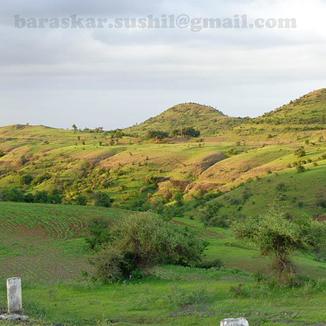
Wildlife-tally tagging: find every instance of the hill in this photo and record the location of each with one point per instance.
(308, 109)
(205, 119)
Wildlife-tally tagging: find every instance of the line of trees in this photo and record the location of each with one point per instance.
(184, 132)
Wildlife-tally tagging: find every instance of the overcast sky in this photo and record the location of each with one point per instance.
(117, 77)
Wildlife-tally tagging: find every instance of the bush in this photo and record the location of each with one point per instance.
(12, 194)
(113, 265)
(26, 179)
(301, 169)
(102, 199)
(81, 200)
(300, 152)
(98, 233)
(143, 241)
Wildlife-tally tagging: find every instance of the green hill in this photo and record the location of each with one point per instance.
(308, 109)
(206, 119)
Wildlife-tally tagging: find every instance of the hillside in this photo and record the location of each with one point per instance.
(206, 119)
(308, 109)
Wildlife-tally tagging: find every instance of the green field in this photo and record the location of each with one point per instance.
(45, 245)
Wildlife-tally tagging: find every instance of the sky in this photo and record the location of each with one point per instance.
(116, 77)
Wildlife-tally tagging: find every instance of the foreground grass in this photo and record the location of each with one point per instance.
(43, 244)
(176, 296)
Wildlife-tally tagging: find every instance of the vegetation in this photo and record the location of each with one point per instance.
(278, 236)
(195, 172)
(135, 244)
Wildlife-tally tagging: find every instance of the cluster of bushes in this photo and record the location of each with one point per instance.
(131, 245)
(18, 195)
(98, 198)
(185, 132)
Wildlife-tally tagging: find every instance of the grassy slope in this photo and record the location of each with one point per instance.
(51, 237)
(309, 109)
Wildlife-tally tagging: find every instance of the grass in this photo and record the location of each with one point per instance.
(170, 295)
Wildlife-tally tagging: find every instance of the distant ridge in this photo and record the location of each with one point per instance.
(308, 109)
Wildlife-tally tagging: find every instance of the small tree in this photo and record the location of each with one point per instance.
(276, 236)
(75, 128)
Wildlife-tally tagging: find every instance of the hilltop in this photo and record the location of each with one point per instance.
(206, 119)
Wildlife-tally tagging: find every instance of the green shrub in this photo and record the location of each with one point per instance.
(102, 199)
(301, 169)
(26, 179)
(98, 233)
(143, 241)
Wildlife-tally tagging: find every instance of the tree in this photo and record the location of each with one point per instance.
(276, 236)
(75, 128)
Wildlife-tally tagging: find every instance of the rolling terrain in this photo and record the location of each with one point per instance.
(54, 182)
(138, 173)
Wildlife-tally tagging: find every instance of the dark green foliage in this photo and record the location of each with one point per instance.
(12, 194)
(26, 179)
(81, 200)
(186, 132)
(2, 153)
(102, 199)
(300, 168)
(144, 241)
(157, 134)
(98, 233)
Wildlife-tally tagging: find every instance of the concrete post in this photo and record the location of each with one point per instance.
(14, 295)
